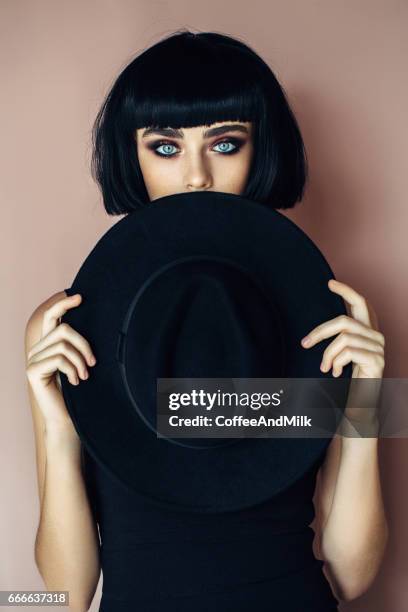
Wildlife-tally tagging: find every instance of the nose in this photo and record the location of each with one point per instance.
(197, 176)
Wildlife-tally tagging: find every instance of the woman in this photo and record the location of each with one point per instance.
(201, 112)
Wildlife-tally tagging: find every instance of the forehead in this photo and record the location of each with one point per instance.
(200, 131)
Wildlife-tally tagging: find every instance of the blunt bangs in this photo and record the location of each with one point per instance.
(187, 80)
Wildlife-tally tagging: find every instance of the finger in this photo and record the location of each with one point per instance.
(358, 305)
(339, 324)
(65, 332)
(359, 356)
(49, 365)
(341, 342)
(373, 316)
(63, 347)
(56, 311)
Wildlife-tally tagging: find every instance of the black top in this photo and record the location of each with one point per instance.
(259, 558)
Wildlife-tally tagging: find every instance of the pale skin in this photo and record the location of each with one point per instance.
(194, 160)
(351, 529)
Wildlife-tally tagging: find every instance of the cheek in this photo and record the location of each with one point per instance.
(234, 170)
(157, 173)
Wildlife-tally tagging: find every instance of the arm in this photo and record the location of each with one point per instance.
(351, 533)
(352, 529)
(67, 541)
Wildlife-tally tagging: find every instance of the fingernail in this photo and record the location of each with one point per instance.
(92, 360)
(306, 341)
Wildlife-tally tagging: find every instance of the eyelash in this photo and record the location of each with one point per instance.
(238, 143)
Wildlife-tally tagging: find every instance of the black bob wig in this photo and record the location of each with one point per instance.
(186, 80)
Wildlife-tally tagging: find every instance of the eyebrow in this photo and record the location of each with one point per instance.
(173, 133)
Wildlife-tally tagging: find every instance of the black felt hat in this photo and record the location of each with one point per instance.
(196, 285)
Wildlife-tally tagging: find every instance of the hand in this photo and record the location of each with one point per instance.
(358, 341)
(59, 348)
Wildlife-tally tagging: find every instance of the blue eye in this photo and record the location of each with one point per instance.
(225, 146)
(166, 152)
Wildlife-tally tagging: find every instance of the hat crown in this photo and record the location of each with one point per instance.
(199, 318)
(220, 325)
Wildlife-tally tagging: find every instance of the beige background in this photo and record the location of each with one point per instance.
(343, 65)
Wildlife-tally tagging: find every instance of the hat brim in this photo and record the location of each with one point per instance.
(290, 268)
